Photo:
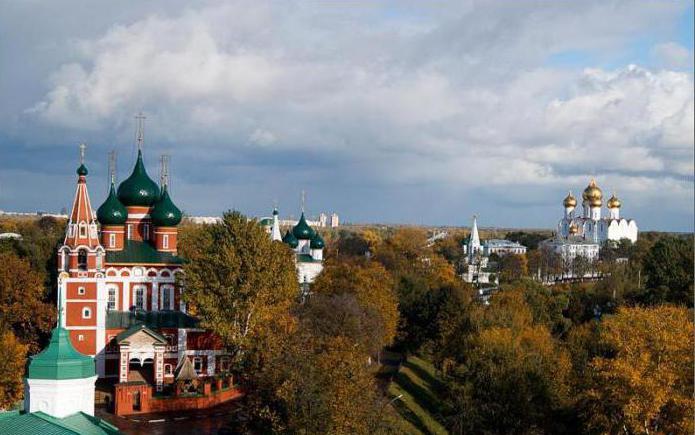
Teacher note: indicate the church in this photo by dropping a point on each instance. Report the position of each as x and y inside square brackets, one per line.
[118, 284]
[591, 225]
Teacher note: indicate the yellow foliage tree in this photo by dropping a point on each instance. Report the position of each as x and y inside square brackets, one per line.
[11, 369]
[644, 381]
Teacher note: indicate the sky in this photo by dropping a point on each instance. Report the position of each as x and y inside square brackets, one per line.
[384, 112]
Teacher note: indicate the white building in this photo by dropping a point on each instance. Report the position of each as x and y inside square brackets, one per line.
[502, 247]
[592, 225]
[572, 247]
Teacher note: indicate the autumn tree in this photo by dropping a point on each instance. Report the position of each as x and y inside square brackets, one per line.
[11, 369]
[643, 380]
[239, 282]
[23, 309]
[513, 267]
[372, 287]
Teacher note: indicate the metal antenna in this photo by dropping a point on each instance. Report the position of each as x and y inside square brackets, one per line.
[140, 133]
[164, 170]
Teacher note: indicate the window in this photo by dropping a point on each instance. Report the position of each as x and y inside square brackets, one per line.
[130, 231]
[66, 262]
[165, 241]
[198, 364]
[82, 259]
[168, 369]
[83, 230]
[80, 291]
[98, 265]
[146, 232]
[112, 240]
[111, 304]
[140, 298]
[80, 337]
[224, 364]
[166, 298]
[86, 313]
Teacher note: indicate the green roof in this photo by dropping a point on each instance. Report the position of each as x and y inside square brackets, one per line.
[60, 360]
[17, 423]
[317, 242]
[290, 239]
[302, 231]
[151, 319]
[138, 252]
[112, 212]
[266, 222]
[165, 213]
[306, 258]
[137, 328]
[82, 170]
[138, 189]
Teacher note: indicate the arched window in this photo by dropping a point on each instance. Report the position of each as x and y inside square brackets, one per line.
[167, 302]
[168, 370]
[65, 259]
[82, 259]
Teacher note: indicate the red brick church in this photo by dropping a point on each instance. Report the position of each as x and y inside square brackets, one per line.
[117, 280]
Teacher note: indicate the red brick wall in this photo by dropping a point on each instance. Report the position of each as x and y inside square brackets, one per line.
[203, 341]
[90, 290]
[88, 345]
[124, 395]
[73, 314]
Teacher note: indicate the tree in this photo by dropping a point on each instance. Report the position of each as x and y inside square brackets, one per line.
[22, 307]
[530, 240]
[11, 369]
[513, 267]
[643, 380]
[240, 283]
[372, 287]
[669, 266]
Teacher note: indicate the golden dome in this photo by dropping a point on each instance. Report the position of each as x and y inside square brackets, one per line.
[613, 202]
[573, 229]
[570, 201]
[593, 194]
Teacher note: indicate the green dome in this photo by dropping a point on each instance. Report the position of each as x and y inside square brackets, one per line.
[112, 212]
[138, 189]
[165, 213]
[317, 242]
[82, 170]
[290, 239]
[60, 360]
[302, 231]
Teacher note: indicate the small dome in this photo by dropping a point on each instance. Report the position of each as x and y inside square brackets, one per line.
[165, 213]
[570, 201]
[82, 170]
[317, 242]
[138, 189]
[613, 202]
[112, 212]
[592, 193]
[275, 211]
[302, 231]
[290, 239]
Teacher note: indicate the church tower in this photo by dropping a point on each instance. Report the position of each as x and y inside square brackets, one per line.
[60, 380]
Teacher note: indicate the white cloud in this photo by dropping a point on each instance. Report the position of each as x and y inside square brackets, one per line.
[673, 55]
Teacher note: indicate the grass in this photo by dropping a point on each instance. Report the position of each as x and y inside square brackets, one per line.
[418, 409]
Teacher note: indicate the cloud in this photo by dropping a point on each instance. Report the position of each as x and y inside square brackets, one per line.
[456, 97]
[673, 55]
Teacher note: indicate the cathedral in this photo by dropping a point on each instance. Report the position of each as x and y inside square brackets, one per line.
[590, 225]
[118, 288]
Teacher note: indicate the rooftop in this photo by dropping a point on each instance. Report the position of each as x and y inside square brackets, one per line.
[136, 252]
[17, 423]
[151, 319]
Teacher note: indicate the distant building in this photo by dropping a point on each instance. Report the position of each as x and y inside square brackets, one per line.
[572, 247]
[10, 236]
[502, 247]
[592, 226]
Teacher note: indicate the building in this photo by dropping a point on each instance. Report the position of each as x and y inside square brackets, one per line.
[58, 393]
[592, 225]
[118, 287]
[571, 247]
[502, 247]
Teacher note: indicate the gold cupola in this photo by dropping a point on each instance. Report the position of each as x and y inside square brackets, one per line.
[592, 194]
[573, 229]
[613, 202]
[569, 201]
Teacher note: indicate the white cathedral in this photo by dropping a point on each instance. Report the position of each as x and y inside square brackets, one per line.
[591, 226]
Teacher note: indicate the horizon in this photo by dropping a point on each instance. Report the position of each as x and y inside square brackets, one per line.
[410, 114]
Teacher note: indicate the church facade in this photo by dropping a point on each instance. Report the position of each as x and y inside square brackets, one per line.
[118, 284]
[591, 225]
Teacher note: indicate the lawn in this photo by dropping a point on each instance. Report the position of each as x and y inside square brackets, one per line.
[418, 409]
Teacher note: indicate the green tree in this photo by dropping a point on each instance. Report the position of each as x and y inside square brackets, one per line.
[669, 270]
[240, 283]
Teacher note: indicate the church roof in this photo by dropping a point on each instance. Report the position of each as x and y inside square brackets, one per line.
[138, 189]
[112, 212]
[165, 213]
[60, 360]
[302, 231]
[185, 370]
[18, 423]
[137, 328]
[137, 252]
[290, 239]
[151, 319]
